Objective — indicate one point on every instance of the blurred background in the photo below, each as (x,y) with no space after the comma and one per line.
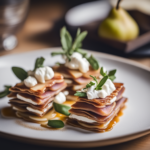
(27,25)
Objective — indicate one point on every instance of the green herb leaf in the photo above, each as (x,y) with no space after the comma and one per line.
(56,123)
(90,84)
(84,54)
(93,62)
(112,78)
(78,32)
(78,40)
(102,72)
(94,78)
(20,73)
(5,92)
(63,109)
(57,53)
(80,94)
(101,83)
(39,63)
(112,72)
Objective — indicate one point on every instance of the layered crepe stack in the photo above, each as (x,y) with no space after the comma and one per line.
(37,100)
(75,79)
(100,111)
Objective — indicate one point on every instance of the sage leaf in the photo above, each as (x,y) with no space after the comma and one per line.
(57,53)
(101,83)
(80,94)
(56,123)
(39,63)
(78,32)
(93,62)
(5,92)
(20,73)
(63,109)
(102,72)
(112,78)
(112,72)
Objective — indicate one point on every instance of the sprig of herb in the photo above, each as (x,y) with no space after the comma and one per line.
(90,84)
(94,78)
(111,74)
(63,109)
(56,123)
(22,74)
(101,83)
(39,63)
(69,46)
(5,92)
(80,94)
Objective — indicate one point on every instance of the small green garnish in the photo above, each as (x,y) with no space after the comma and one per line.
(63,109)
(111,74)
(89,85)
(69,46)
(5,92)
(39,63)
(56,123)
(94,78)
(80,94)
(20,73)
(101,83)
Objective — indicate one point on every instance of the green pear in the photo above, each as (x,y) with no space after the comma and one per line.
(119,25)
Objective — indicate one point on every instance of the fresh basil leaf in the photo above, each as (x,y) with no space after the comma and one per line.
(93,62)
(94,78)
(57,53)
(20,73)
(101,83)
(39,63)
(80,94)
(112,78)
(56,123)
(112,72)
(63,109)
(102,72)
(5,92)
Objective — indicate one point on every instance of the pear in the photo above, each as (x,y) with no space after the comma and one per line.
(119,25)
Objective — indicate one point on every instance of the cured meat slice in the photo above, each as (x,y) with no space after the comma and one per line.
(88,107)
(98,118)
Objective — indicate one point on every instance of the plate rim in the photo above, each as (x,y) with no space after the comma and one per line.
(82,144)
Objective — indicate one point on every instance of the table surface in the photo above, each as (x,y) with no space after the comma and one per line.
(35,34)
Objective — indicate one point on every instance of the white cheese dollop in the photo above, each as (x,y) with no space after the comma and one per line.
(30,81)
(78,62)
(60,98)
(107,89)
(44,73)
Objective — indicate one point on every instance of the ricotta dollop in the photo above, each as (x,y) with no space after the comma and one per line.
(107,89)
(77,62)
(30,81)
(60,98)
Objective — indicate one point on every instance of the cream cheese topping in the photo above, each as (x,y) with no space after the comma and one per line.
(30,81)
(60,98)
(78,62)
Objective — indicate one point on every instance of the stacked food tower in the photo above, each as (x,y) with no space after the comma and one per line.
(97,104)
(32,98)
(78,65)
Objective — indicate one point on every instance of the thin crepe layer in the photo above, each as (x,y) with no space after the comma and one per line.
(39,88)
(102,102)
(36,94)
(98,118)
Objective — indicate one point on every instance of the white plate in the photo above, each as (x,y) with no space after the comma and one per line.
(134,123)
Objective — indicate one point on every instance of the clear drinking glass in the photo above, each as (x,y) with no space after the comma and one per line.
(12,16)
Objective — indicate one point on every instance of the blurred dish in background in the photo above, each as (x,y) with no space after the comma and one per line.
(12,17)
(98,11)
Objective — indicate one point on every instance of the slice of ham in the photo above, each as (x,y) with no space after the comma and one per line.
(88,107)
(98,118)
(102,102)
(37,94)
(39,88)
